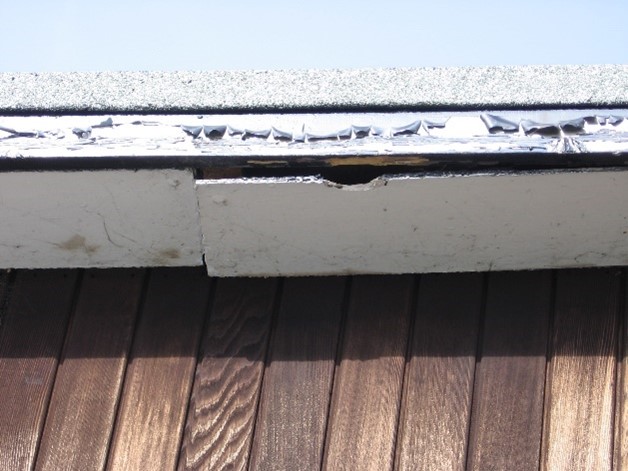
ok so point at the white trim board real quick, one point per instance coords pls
(308, 226)
(478, 222)
(120, 218)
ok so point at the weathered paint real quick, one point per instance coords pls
(447, 223)
(119, 218)
(312, 140)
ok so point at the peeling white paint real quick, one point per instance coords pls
(478, 222)
(115, 218)
(300, 134)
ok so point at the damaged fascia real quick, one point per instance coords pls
(451, 140)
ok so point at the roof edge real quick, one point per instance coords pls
(429, 89)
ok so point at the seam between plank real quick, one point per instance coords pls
(267, 356)
(413, 307)
(478, 357)
(138, 316)
(547, 386)
(68, 323)
(208, 311)
(337, 358)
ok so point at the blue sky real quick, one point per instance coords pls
(67, 35)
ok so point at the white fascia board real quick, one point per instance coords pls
(115, 218)
(450, 223)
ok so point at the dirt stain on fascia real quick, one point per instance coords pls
(78, 242)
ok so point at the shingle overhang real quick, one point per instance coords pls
(316, 172)
(425, 89)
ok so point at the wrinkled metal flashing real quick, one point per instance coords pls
(592, 137)
(424, 89)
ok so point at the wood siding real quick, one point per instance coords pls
(170, 369)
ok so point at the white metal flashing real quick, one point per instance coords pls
(280, 139)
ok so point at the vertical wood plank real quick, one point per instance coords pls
(507, 410)
(228, 377)
(620, 455)
(579, 399)
(159, 375)
(87, 386)
(31, 339)
(290, 426)
(439, 375)
(4, 288)
(367, 388)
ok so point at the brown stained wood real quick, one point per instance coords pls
(4, 282)
(439, 375)
(31, 339)
(159, 375)
(368, 382)
(507, 415)
(620, 449)
(579, 398)
(228, 377)
(5, 278)
(620, 455)
(290, 426)
(87, 387)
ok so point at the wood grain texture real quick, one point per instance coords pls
(30, 344)
(87, 386)
(579, 398)
(439, 375)
(367, 387)
(290, 427)
(507, 410)
(228, 376)
(159, 375)
(620, 450)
